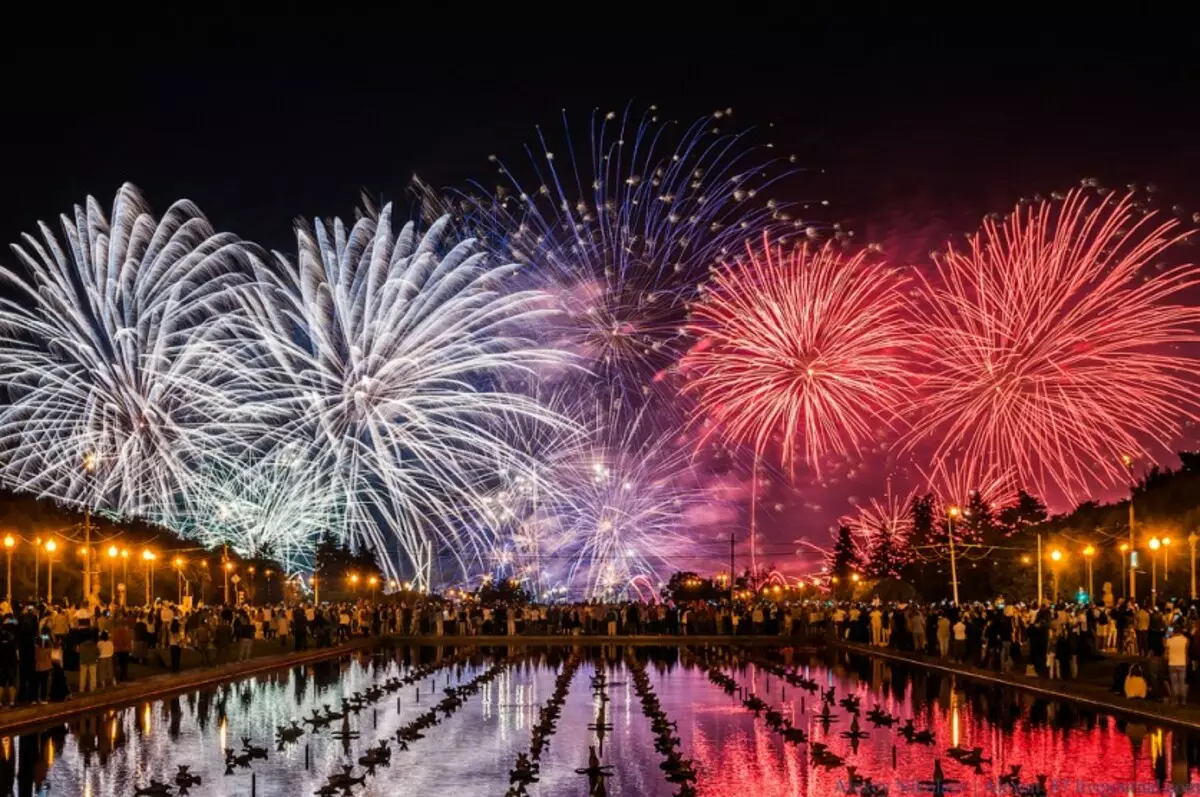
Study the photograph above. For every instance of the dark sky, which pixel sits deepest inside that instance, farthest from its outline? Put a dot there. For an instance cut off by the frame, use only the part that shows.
(912, 128)
(259, 120)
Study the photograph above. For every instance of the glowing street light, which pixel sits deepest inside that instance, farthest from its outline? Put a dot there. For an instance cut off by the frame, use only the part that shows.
(1166, 541)
(1055, 557)
(51, 547)
(952, 514)
(148, 557)
(1088, 553)
(1124, 548)
(10, 543)
(113, 554)
(1192, 540)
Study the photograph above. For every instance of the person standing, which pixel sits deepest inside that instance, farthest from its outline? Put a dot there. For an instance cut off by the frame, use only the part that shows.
(10, 665)
(876, 627)
(1177, 662)
(122, 639)
(89, 657)
(175, 643)
(43, 664)
(943, 635)
(104, 661)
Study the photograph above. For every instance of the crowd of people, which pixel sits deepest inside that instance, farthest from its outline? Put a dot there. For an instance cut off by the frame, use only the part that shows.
(41, 644)
(1157, 646)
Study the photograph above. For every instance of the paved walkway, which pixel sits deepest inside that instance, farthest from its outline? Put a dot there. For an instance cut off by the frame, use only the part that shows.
(1092, 688)
(148, 682)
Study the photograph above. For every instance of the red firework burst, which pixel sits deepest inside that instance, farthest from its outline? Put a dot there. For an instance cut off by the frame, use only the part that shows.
(809, 346)
(1057, 343)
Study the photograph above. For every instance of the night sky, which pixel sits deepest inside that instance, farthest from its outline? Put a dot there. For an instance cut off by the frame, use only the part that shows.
(911, 130)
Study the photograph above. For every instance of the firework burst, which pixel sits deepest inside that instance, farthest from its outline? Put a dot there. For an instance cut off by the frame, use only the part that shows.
(809, 348)
(387, 361)
(624, 511)
(113, 356)
(275, 506)
(620, 229)
(889, 517)
(1058, 343)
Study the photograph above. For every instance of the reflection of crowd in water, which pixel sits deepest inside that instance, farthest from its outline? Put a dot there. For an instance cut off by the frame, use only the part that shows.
(109, 739)
(1158, 647)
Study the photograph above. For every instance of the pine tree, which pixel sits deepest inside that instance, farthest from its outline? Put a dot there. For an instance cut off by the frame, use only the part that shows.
(889, 554)
(921, 512)
(977, 526)
(1025, 512)
(844, 558)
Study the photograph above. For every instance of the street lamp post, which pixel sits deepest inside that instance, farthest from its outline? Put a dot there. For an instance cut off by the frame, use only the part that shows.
(51, 547)
(179, 576)
(148, 558)
(1154, 546)
(113, 553)
(1041, 598)
(37, 565)
(1088, 553)
(1128, 462)
(252, 588)
(268, 573)
(85, 568)
(1166, 549)
(1055, 557)
(227, 567)
(1192, 540)
(374, 582)
(89, 465)
(952, 513)
(1124, 553)
(125, 575)
(10, 543)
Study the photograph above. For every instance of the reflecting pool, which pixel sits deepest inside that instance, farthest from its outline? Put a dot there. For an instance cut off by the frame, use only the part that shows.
(465, 715)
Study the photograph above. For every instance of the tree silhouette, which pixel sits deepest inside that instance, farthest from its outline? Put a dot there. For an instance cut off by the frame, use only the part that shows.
(888, 555)
(844, 558)
(1026, 511)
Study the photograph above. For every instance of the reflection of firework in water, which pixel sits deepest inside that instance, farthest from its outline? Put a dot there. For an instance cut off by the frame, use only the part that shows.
(1055, 342)
(622, 228)
(388, 355)
(624, 512)
(810, 347)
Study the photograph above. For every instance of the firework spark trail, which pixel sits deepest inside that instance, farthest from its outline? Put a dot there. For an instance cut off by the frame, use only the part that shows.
(621, 230)
(954, 482)
(276, 505)
(623, 512)
(113, 351)
(891, 516)
(1055, 346)
(393, 379)
(811, 348)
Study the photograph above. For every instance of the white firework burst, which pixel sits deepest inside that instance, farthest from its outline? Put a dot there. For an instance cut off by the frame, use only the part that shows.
(112, 356)
(275, 506)
(387, 357)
